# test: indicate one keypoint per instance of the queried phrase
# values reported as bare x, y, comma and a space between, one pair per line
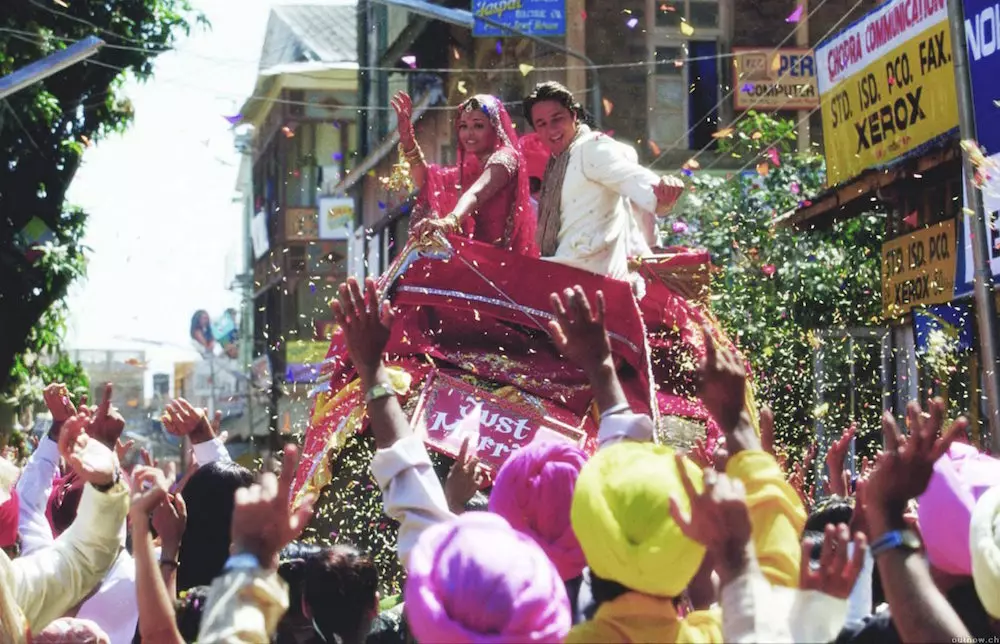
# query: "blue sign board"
955, 320
982, 22
532, 17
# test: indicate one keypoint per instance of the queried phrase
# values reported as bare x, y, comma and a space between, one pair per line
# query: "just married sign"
450, 409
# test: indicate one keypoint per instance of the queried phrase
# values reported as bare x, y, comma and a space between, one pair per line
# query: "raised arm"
403, 105
616, 166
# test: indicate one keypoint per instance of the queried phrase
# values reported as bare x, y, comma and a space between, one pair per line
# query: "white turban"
984, 542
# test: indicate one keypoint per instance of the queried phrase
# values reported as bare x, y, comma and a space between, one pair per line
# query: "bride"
485, 195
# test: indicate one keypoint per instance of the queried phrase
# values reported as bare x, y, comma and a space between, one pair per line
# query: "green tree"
44, 130
776, 289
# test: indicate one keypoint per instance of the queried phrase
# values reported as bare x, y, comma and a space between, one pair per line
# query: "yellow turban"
621, 516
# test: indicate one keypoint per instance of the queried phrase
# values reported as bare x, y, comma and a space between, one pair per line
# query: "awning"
313, 75
374, 158
854, 197
460, 17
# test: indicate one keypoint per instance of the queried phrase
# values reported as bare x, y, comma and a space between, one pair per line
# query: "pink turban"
534, 492
960, 477
476, 579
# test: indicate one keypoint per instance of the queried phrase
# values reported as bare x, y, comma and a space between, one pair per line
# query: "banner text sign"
918, 269
887, 86
784, 79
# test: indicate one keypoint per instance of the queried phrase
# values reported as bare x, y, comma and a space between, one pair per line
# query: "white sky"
164, 230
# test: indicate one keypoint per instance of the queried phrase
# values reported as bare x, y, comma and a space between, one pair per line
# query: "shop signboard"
886, 85
336, 218
982, 34
780, 79
918, 269
532, 17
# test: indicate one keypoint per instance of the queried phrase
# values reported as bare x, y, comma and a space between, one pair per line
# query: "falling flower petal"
911, 219
499, 48
337, 156
772, 154
692, 164
461, 88
678, 62
679, 227
608, 106
724, 133
655, 149
410, 60
687, 29
233, 120
796, 15
768, 269
763, 169
526, 68
632, 22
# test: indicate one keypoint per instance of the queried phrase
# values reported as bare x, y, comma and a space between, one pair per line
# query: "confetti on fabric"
666, 8
608, 106
410, 60
687, 29
796, 15
631, 23
64, 5
456, 54
526, 68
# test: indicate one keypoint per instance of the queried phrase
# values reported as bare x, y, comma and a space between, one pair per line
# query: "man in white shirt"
594, 190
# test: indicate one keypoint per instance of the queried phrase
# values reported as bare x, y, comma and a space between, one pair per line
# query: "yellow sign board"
887, 86
782, 79
919, 269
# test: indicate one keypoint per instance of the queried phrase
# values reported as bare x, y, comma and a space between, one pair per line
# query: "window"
698, 13
684, 98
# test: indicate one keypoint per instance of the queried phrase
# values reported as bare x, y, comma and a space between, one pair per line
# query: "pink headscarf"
534, 492
476, 579
960, 477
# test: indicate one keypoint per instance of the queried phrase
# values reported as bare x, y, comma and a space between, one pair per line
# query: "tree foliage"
44, 130
777, 290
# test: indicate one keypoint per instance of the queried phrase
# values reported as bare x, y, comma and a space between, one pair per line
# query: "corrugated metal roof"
310, 32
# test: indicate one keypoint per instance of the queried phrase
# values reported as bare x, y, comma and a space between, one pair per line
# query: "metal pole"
986, 312
802, 40
51, 64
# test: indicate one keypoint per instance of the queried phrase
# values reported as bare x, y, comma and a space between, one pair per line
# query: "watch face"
909, 539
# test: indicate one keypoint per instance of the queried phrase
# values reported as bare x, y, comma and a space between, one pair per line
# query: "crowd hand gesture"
578, 330
263, 521
463, 479
839, 477
667, 192
181, 418
719, 519
57, 400
92, 460
365, 324
149, 490
403, 105
800, 474
722, 388
105, 426
170, 519
903, 471
122, 449
835, 574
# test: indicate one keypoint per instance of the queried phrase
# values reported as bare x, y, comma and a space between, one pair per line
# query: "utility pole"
986, 310
802, 40
51, 64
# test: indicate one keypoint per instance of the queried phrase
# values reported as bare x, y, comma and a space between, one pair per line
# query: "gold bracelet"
415, 154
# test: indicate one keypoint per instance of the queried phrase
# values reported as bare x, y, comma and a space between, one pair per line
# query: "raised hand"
903, 471
365, 325
463, 479
181, 418
835, 455
57, 400
836, 573
578, 330
92, 461
169, 520
667, 192
719, 519
122, 449
403, 105
723, 383
263, 521
149, 490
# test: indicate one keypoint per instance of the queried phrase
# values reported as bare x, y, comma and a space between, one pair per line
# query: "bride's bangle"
415, 154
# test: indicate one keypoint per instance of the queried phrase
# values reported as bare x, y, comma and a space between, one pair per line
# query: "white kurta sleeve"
33, 491
616, 166
50, 581
211, 451
621, 427
750, 613
411, 492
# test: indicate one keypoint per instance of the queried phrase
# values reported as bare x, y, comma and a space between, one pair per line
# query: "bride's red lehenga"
476, 309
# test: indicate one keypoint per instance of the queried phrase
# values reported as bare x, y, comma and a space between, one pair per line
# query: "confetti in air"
461, 88
410, 60
772, 154
796, 15
911, 219
608, 106
654, 148
747, 88
763, 168
679, 227
233, 120
687, 29
631, 23
499, 48
724, 133
526, 69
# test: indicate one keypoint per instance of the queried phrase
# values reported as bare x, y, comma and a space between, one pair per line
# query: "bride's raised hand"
403, 105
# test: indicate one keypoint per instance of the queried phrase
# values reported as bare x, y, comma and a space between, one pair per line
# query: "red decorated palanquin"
475, 313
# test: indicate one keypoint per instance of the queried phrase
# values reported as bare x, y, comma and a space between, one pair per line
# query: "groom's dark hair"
552, 91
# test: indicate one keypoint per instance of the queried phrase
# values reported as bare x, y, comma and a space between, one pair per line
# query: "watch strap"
114, 482
904, 539
242, 561
379, 390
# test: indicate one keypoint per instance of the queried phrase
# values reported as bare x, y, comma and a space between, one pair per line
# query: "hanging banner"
991, 206
886, 85
783, 79
918, 269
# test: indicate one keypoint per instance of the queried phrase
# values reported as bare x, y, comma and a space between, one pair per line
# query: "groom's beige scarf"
550, 200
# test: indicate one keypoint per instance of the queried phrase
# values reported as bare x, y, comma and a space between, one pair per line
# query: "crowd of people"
637, 543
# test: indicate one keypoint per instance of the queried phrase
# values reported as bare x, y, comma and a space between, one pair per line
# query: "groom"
592, 183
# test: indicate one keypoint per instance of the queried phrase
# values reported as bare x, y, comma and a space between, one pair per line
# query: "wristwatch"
107, 487
242, 561
902, 539
379, 390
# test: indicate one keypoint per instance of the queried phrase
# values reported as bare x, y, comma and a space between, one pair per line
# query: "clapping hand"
836, 573
263, 521
579, 331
